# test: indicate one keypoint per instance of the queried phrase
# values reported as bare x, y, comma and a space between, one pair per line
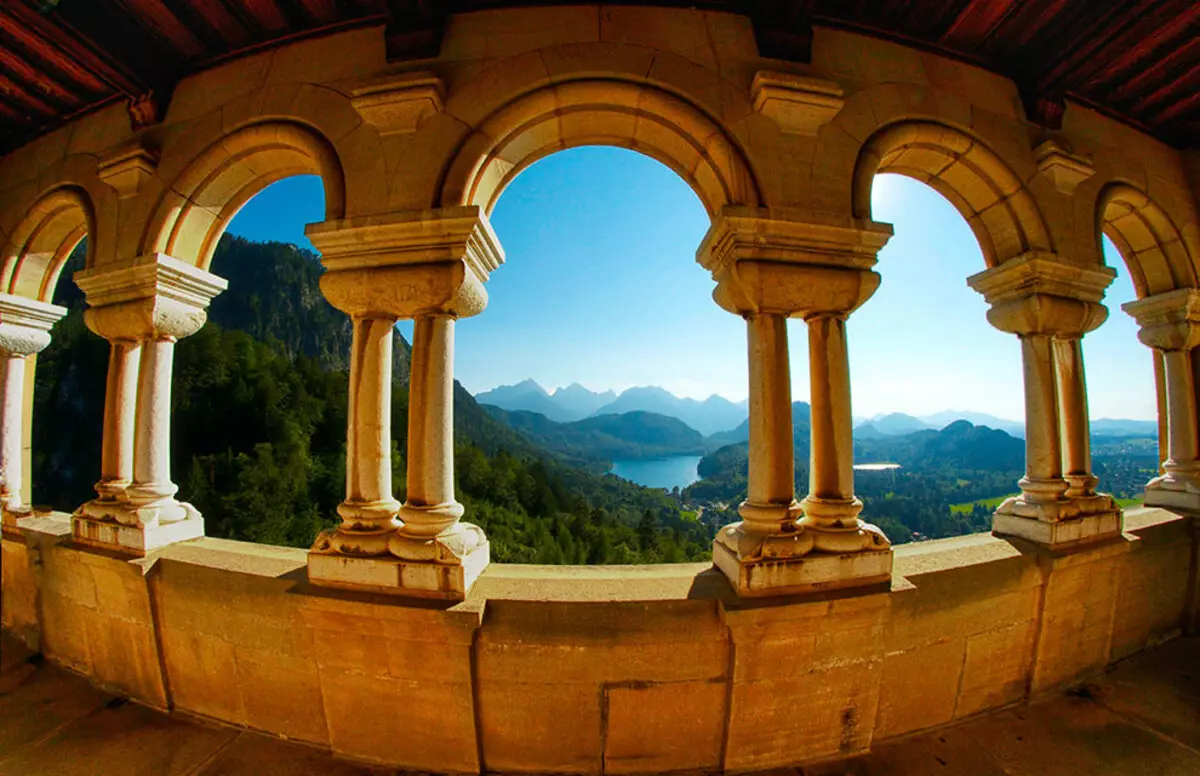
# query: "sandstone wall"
591, 670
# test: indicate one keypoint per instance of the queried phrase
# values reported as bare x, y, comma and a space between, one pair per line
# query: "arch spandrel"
992, 198
619, 113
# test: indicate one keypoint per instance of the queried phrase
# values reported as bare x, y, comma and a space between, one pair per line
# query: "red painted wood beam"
1130, 83
77, 48
29, 100
215, 15
44, 54
157, 19
47, 88
267, 15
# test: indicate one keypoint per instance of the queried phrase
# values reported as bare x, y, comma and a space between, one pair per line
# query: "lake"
676, 470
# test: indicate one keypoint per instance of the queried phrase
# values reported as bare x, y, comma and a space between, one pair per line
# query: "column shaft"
431, 507
771, 488
1073, 417
1043, 452
120, 408
1181, 464
12, 421
370, 504
831, 474
152, 451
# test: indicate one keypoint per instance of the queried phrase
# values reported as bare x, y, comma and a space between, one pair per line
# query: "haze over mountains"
726, 421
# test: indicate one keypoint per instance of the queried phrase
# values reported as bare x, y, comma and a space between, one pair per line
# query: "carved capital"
152, 296
798, 104
402, 265
1035, 294
764, 262
1169, 321
25, 324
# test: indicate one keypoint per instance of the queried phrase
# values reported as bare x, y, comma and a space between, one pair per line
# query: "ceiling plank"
82, 49
46, 87
29, 100
157, 19
19, 37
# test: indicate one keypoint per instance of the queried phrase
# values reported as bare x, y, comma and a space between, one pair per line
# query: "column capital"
776, 261
1169, 321
25, 324
401, 265
1037, 294
151, 296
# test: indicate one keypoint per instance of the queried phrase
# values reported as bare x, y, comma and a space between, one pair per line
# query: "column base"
1060, 523
1176, 496
441, 567
786, 564
122, 527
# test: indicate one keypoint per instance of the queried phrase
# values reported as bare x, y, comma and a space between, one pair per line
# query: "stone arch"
199, 204
606, 112
43, 241
992, 198
1151, 245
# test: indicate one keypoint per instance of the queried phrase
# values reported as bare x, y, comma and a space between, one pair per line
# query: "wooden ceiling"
1137, 60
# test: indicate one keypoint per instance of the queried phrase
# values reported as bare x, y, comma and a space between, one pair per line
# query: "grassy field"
967, 507
992, 503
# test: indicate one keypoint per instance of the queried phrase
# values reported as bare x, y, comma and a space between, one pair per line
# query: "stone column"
142, 308
770, 506
1170, 323
769, 268
1073, 419
1050, 306
431, 267
369, 511
120, 407
24, 330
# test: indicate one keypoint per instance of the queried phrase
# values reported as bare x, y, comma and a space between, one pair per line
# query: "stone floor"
1143, 717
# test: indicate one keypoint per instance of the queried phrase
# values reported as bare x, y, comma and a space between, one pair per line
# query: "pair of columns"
429, 267
142, 308
24, 331
769, 268
1170, 324
1050, 306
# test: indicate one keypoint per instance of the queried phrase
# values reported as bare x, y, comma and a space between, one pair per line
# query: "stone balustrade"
597, 670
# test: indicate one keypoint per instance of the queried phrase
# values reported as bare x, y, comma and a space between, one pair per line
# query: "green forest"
259, 431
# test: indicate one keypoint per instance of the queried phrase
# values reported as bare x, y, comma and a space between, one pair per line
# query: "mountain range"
574, 403
726, 422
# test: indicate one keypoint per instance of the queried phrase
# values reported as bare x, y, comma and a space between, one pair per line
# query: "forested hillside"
259, 419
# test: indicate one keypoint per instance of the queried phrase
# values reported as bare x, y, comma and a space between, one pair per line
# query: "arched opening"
50, 241
989, 195
939, 412
600, 113
603, 365
202, 200
1131, 226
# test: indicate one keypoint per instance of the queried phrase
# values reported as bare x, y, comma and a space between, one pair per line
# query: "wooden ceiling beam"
223, 30
20, 94
267, 15
81, 49
21, 38
161, 22
46, 87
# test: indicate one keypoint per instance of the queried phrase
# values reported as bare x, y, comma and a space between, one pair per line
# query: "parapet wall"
590, 670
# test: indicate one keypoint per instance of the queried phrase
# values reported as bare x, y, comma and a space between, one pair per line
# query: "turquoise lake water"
659, 472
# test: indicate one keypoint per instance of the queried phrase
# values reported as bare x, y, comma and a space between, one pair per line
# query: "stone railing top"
1037, 273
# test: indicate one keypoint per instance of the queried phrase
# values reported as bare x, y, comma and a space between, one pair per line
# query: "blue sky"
601, 287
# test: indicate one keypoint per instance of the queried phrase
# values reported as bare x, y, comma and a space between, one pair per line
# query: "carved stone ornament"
398, 104
800, 105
